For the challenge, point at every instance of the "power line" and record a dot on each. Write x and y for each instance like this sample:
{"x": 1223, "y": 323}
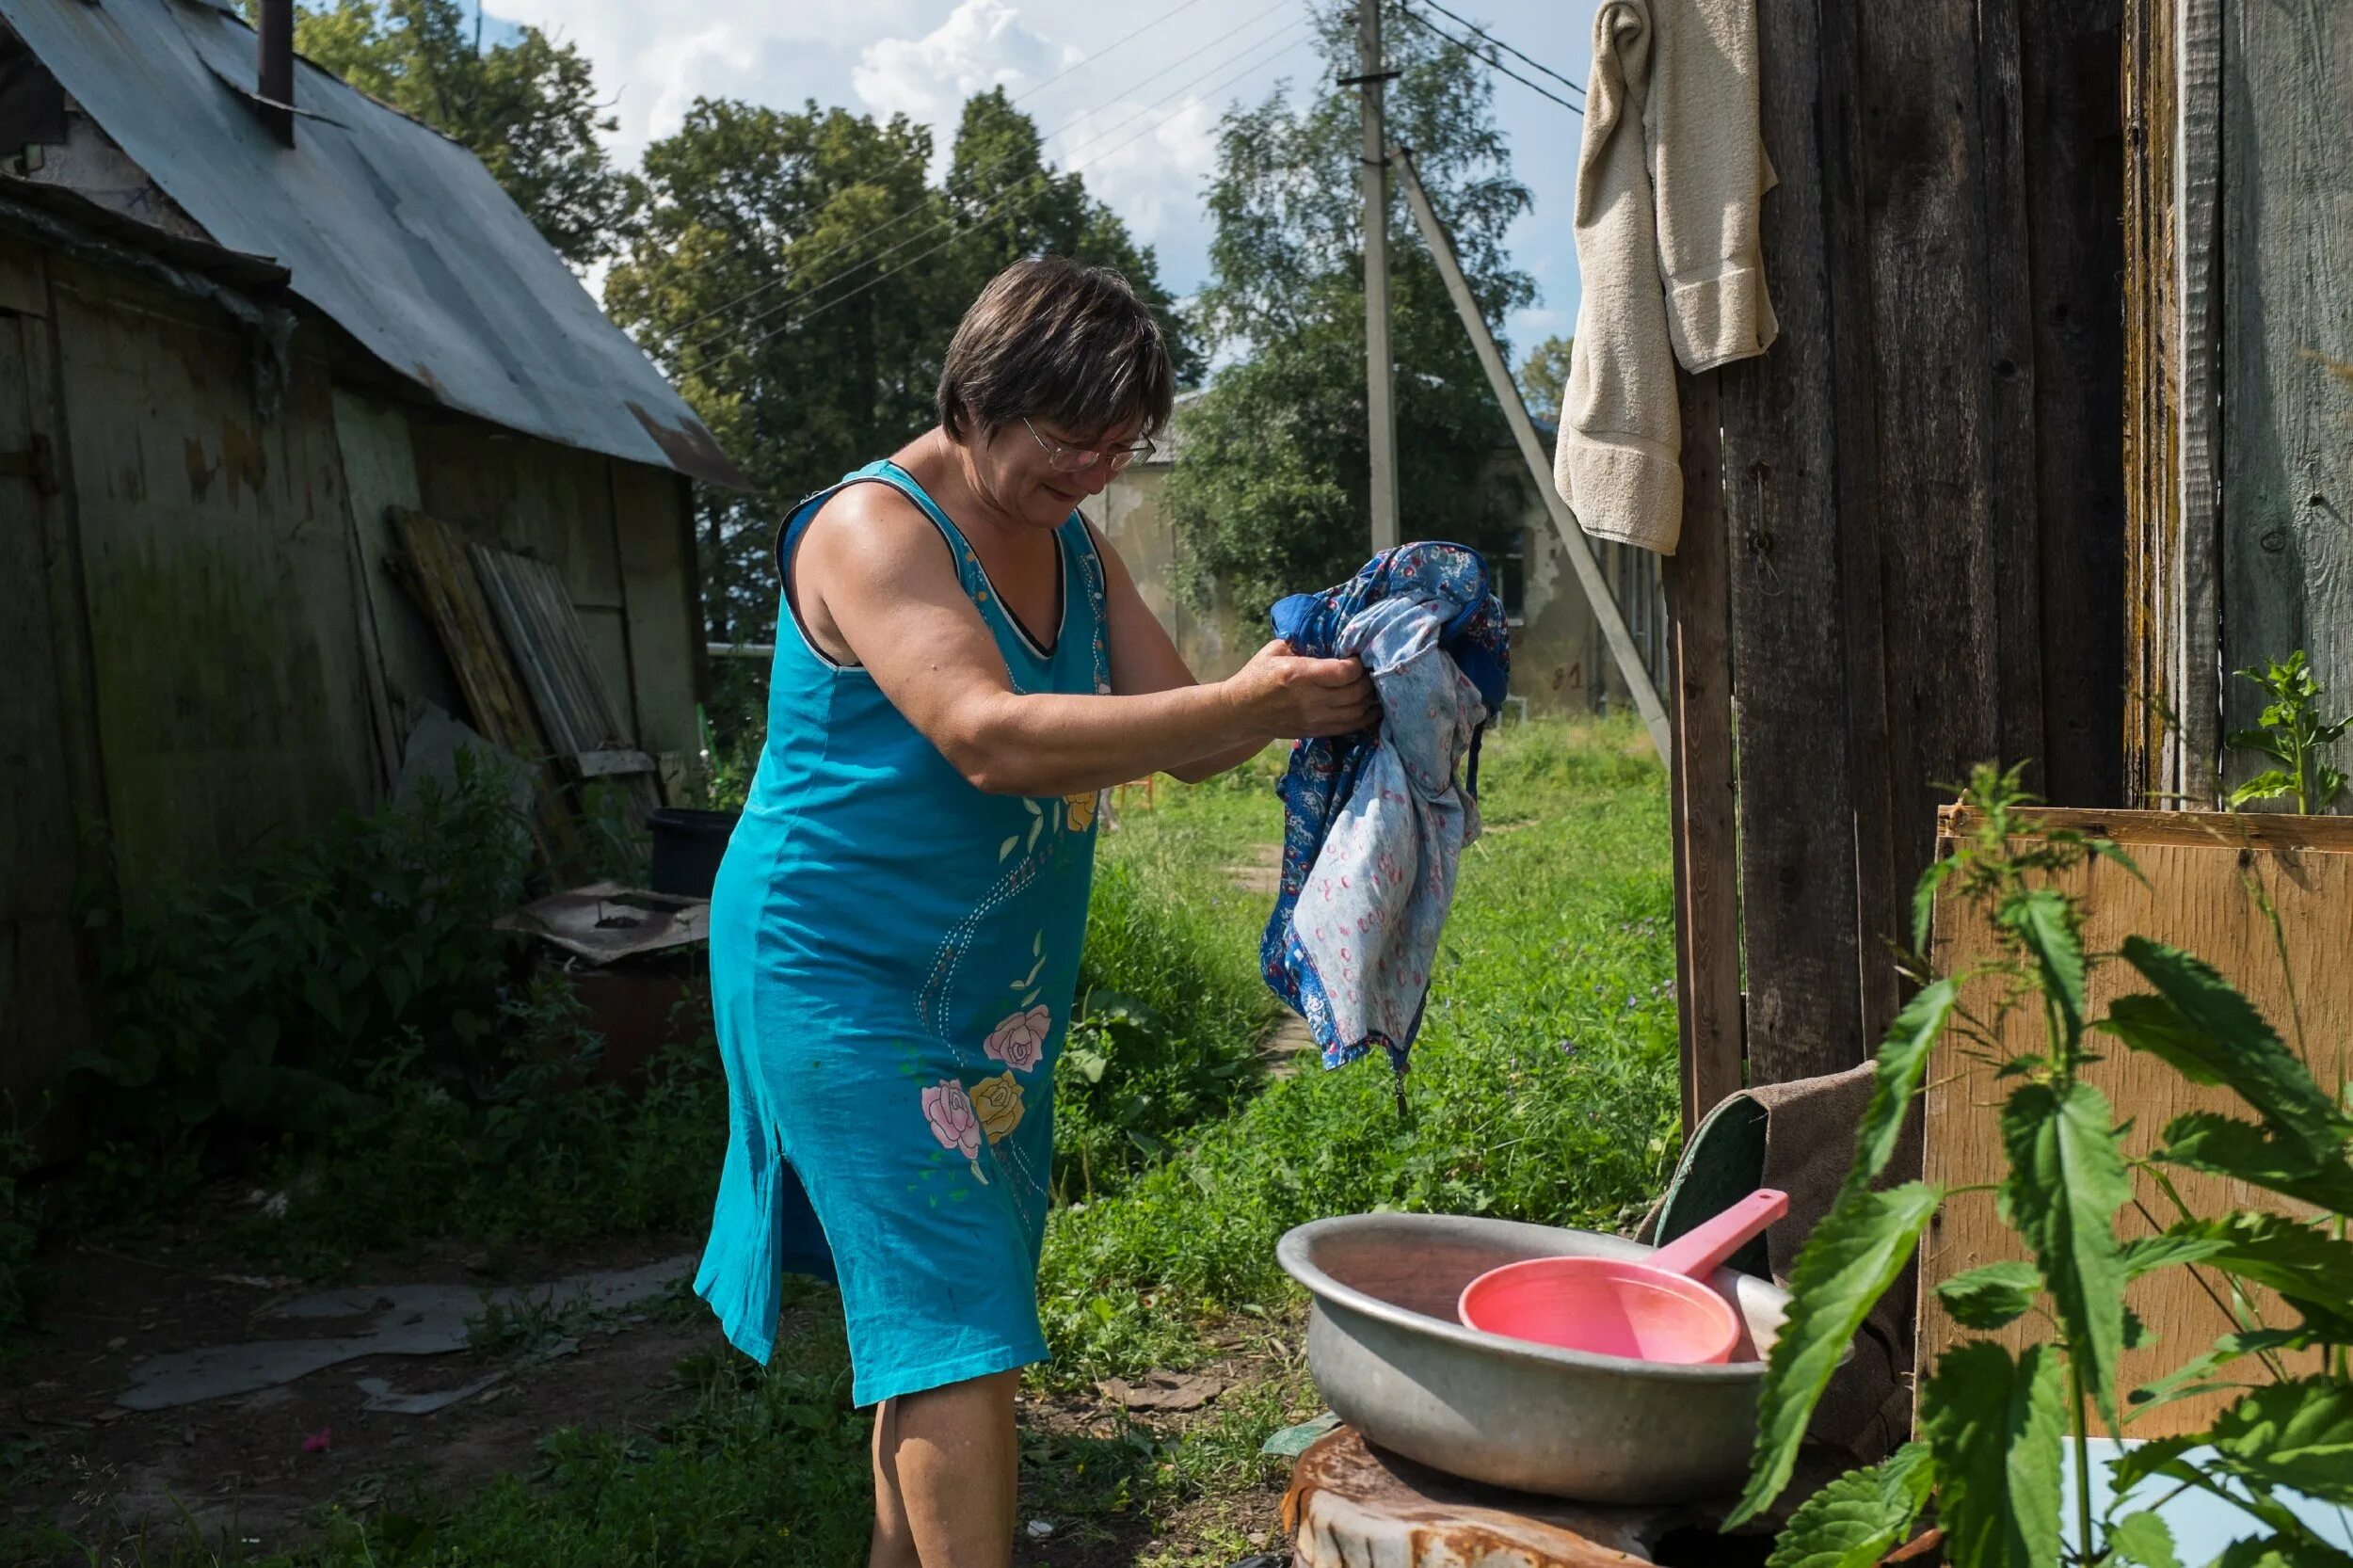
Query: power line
{"x": 1488, "y": 60}
{"x": 995, "y": 205}
{"x": 1005, "y": 205}
{"x": 1038, "y": 180}
{"x": 842, "y": 298}
{"x": 1482, "y": 32}
{"x": 892, "y": 222}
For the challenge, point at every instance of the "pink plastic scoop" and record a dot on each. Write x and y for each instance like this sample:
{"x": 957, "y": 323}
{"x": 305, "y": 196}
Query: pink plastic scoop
{"x": 1653, "y": 1311}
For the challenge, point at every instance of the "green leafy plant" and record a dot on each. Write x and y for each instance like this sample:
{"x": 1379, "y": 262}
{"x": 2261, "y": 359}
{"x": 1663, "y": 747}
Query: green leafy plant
{"x": 2291, "y": 732}
{"x": 1992, "y": 1427}
{"x": 258, "y": 1000}
{"x": 20, "y": 1234}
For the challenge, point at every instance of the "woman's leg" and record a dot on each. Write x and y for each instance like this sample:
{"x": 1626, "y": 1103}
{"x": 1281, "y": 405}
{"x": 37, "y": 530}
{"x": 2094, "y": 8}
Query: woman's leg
{"x": 945, "y": 1467}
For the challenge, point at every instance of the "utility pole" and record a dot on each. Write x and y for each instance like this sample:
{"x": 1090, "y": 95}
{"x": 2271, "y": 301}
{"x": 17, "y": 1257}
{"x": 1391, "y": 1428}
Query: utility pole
{"x": 1379, "y": 390}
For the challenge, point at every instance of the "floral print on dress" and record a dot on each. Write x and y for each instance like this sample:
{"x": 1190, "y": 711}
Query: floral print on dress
{"x": 1079, "y": 810}
{"x": 954, "y": 1121}
{"x": 1020, "y": 1040}
{"x": 997, "y": 1103}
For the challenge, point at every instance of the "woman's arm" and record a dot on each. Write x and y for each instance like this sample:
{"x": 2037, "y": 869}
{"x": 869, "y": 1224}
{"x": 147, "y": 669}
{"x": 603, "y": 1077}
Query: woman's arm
{"x": 872, "y": 568}
{"x": 1144, "y": 660}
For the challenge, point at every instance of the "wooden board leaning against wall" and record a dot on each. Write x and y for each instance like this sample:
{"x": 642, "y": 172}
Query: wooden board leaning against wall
{"x": 2204, "y": 872}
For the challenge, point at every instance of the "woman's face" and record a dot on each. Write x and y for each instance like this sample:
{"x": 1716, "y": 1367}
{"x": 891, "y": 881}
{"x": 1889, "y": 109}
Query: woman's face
{"x": 1014, "y": 466}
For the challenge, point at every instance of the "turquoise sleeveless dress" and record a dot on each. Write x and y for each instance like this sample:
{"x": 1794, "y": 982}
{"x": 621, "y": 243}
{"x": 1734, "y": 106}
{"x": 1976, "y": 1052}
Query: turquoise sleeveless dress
{"x": 892, "y": 960}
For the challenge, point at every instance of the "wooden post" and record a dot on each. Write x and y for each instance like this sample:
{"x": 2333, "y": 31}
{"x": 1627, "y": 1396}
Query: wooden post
{"x": 2151, "y": 434}
{"x": 1707, "y": 860}
{"x": 1379, "y": 371}
{"x": 1573, "y": 541}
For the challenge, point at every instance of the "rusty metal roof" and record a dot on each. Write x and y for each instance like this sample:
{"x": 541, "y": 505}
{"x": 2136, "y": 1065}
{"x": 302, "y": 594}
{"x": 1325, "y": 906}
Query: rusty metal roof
{"x": 392, "y": 229}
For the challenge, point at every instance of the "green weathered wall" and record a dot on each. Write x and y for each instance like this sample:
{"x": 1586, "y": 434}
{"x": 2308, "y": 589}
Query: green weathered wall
{"x": 227, "y": 660}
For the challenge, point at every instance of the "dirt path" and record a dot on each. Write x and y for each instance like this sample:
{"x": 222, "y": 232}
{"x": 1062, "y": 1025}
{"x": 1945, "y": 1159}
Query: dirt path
{"x": 1262, "y": 875}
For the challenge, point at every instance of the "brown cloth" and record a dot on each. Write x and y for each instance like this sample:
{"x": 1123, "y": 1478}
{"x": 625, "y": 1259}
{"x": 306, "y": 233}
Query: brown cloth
{"x": 1798, "y": 1137}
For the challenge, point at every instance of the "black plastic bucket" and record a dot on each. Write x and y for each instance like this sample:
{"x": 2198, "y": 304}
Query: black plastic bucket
{"x": 687, "y": 846}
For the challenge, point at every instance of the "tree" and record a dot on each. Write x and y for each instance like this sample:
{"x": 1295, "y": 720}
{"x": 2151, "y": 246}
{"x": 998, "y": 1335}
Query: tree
{"x": 799, "y": 279}
{"x": 1544, "y": 374}
{"x": 1271, "y": 494}
{"x": 526, "y": 106}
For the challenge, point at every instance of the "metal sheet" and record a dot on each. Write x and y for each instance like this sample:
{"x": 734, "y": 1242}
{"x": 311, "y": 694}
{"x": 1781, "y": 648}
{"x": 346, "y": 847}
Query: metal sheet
{"x": 392, "y": 229}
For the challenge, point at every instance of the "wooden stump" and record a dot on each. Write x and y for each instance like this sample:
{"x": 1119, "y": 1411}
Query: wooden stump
{"x": 1353, "y": 1506}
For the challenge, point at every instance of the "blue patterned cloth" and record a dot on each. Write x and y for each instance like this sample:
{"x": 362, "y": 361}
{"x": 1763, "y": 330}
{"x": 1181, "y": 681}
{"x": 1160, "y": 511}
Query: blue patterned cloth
{"x": 1374, "y": 823}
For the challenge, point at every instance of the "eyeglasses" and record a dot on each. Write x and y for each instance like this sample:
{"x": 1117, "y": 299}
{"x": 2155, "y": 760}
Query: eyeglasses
{"x": 1078, "y": 459}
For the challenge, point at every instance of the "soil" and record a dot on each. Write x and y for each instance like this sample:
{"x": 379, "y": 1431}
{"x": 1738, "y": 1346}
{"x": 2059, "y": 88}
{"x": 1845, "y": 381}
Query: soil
{"x": 251, "y": 1471}
{"x": 250, "y": 1474}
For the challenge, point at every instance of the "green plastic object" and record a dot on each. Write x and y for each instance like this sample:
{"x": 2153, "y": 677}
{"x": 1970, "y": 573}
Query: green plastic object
{"x": 1292, "y": 1441}
{"x": 1724, "y": 1164}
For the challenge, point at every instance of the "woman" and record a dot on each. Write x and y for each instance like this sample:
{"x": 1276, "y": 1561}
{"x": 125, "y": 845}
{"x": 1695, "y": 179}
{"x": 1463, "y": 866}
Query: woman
{"x": 962, "y": 666}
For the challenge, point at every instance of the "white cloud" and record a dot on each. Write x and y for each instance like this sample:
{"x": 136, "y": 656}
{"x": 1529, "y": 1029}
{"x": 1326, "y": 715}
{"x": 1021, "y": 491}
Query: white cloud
{"x": 983, "y": 44}
{"x": 1148, "y": 169}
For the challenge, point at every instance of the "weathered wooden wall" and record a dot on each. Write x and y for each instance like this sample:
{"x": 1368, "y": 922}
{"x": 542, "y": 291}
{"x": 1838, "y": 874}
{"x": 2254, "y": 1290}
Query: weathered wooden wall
{"x": 229, "y": 674}
{"x": 2286, "y": 287}
{"x": 2198, "y": 897}
{"x": 2241, "y": 245}
{"x": 48, "y": 747}
{"x": 1922, "y": 484}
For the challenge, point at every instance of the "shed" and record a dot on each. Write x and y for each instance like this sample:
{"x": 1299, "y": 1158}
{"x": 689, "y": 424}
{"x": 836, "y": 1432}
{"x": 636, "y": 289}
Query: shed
{"x": 236, "y": 326}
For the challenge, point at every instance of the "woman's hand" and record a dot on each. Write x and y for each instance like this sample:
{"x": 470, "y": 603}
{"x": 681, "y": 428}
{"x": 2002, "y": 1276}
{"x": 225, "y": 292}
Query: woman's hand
{"x": 1287, "y": 695}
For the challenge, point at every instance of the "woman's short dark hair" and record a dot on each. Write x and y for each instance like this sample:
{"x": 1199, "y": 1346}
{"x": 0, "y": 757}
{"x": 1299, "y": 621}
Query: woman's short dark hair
{"x": 1063, "y": 341}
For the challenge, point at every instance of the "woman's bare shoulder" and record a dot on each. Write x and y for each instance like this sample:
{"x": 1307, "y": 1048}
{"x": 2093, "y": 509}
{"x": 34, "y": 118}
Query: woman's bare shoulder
{"x": 874, "y": 526}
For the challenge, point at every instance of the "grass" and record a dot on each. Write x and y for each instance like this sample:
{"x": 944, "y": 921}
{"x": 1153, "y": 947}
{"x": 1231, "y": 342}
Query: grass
{"x": 1543, "y": 1089}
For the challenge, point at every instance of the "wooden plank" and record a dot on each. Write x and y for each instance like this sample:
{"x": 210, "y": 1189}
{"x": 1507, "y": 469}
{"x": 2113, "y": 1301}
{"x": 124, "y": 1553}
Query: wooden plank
{"x": 437, "y": 569}
{"x": 544, "y": 633}
{"x": 23, "y": 286}
{"x": 2073, "y": 180}
{"x": 653, "y": 527}
{"x": 2152, "y": 478}
{"x": 2196, "y": 897}
{"x": 1855, "y": 400}
{"x": 2003, "y": 397}
{"x": 1704, "y": 806}
{"x": 47, "y": 972}
{"x": 607, "y": 764}
{"x": 2285, "y": 297}
{"x": 2193, "y": 567}
{"x": 381, "y": 473}
{"x": 2270, "y": 832}
{"x": 1925, "y": 240}
{"x": 1782, "y": 466}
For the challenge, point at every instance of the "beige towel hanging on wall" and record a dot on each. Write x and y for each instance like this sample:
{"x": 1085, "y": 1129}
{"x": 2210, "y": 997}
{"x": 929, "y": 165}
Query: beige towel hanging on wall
{"x": 1669, "y": 180}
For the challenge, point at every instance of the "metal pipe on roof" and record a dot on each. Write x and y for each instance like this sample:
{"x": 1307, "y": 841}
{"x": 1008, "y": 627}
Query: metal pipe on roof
{"x": 274, "y": 76}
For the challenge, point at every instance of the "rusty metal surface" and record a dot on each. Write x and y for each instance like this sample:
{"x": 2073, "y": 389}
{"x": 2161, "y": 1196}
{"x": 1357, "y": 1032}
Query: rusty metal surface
{"x": 605, "y": 922}
{"x": 1390, "y": 1356}
{"x": 395, "y": 231}
{"x": 1353, "y": 1506}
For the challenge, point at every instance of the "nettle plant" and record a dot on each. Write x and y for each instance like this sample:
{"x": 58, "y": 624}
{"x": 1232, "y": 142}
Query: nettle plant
{"x": 2292, "y": 734}
{"x": 1993, "y": 1426}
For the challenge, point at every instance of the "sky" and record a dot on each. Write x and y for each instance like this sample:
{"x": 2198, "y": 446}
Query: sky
{"x": 1138, "y": 118}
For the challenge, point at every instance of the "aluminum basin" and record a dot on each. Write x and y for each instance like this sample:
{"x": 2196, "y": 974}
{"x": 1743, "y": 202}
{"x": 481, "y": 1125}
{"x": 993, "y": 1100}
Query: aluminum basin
{"x": 1392, "y": 1360}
